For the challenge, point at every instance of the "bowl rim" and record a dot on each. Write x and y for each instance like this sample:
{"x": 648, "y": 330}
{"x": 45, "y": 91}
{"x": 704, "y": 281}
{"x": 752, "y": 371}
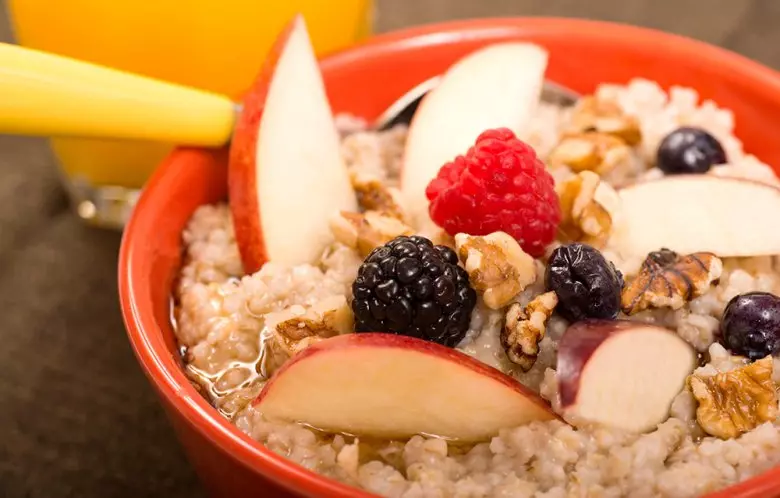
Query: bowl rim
{"x": 166, "y": 375}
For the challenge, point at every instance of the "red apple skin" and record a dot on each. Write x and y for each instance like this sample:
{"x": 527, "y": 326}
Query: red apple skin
{"x": 377, "y": 339}
{"x": 575, "y": 348}
{"x": 242, "y": 173}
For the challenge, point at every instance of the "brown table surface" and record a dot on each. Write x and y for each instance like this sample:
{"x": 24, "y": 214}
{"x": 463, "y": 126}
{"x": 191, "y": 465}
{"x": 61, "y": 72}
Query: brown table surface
{"x": 77, "y": 417}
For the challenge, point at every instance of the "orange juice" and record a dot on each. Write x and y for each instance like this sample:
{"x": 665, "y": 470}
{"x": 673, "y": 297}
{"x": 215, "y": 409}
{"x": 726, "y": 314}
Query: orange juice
{"x": 216, "y": 45}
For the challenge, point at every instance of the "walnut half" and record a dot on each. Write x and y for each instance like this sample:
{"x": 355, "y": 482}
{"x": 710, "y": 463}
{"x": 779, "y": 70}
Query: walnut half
{"x": 498, "y": 267}
{"x": 589, "y": 151}
{"x": 365, "y": 231}
{"x": 298, "y": 327}
{"x": 373, "y": 195}
{"x": 667, "y": 279}
{"x": 735, "y": 402}
{"x": 605, "y": 116}
{"x": 583, "y": 217}
{"x": 525, "y": 327}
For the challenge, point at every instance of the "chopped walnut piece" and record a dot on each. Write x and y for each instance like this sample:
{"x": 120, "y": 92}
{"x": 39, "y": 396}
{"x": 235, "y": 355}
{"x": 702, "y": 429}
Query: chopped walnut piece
{"x": 497, "y": 266}
{"x": 589, "y": 151}
{"x": 525, "y": 327}
{"x": 605, "y": 116}
{"x": 667, "y": 279}
{"x": 365, "y": 231}
{"x": 583, "y": 217}
{"x": 735, "y": 402}
{"x": 373, "y": 195}
{"x": 297, "y": 327}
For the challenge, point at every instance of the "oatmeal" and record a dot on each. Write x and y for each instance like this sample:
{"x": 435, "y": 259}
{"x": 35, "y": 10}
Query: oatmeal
{"x": 508, "y": 301}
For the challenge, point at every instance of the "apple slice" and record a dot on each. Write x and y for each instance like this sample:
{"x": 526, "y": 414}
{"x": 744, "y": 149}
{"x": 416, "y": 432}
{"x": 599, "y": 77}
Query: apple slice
{"x": 496, "y": 86}
{"x": 286, "y": 176}
{"x": 692, "y": 213}
{"x": 621, "y": 374}
{"x": 393, "y": 386}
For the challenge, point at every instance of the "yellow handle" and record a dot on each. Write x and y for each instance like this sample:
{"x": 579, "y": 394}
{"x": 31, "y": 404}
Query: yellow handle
{"x": 49, "y": 95}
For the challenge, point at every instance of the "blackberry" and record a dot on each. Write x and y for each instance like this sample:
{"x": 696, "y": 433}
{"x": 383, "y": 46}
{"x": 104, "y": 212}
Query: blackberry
{"x": 411, "y": 287}
{"x": 587, "y": 285}
{"x": 751, "y": 325}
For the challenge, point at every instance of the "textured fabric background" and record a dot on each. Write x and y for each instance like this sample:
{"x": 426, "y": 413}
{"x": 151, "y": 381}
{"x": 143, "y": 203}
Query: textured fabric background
{"x": 77, "y": 418}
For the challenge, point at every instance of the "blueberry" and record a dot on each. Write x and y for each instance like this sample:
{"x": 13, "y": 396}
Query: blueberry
{"x": 689, "y": 150}
{"x": 751, "y": 325}
{"x": 587, "y": 285}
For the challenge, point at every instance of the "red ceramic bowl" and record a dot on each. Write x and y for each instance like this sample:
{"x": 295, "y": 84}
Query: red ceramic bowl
{"x": 583, "y": 54}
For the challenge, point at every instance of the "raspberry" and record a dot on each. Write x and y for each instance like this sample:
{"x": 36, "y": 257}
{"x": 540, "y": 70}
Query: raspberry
{"x": 499, "y": 185}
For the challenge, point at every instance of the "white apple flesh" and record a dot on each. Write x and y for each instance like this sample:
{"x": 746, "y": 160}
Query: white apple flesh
{"x": 621, "y": 374}
{"x": 393, "y": 386}
{"x": 286, "y": 174}
{"x": 496, "y": 86}
{"x": 690, "y": 213}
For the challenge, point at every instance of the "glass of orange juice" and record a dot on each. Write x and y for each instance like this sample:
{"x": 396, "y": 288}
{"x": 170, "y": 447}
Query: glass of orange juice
{"x": 212, "y": 45}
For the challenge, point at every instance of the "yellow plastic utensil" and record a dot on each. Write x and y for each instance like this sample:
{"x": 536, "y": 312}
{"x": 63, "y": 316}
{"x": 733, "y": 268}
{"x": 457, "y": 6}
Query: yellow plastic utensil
{"x": 49, "y": 95}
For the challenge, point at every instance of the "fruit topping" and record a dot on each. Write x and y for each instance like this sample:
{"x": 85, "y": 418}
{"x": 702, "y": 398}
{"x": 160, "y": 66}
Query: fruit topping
{"x": 366, "y": 231}
{"x": 411, "y": 287}
{"x": 373, "y": 195}
{"x": 689, "y": 150}
{"x": 589, "y": 151}
{"x": 497, "y": 267}
{"x": 751, "y": 325}
{"x": 667, "y": 279}
{"x": 587, "y": 285}
{"x": 286, "y": 175}
{"x": 390, "y": 386}
{"x": 498, "y": 185}
{"x": 699, "y": 213}
{"x": 583, "y": 217}
{"x": 734, "y": 402}
{"x": 604, "y": 116}
{"x": 525, "y": 327}
{"x": 621, "y": 374}
{"x": 298, "y": 327}
{"x": 496, "y": 86}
